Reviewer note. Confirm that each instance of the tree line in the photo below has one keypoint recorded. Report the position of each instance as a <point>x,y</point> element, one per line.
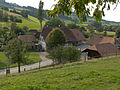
<point>4,17</point>
<point>23,13</point>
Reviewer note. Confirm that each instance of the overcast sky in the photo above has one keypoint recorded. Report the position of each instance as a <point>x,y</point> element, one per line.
<point>112,15</point>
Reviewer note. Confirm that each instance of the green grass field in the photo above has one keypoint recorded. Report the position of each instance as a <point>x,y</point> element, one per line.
<point>3,61</point>
<point>101,74</point>
<point>109,33</point>
<point>32,58</point>
<point>31,22</point>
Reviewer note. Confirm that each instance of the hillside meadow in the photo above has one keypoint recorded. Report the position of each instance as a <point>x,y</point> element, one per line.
<point>102,74</point>
<point>30,22</point>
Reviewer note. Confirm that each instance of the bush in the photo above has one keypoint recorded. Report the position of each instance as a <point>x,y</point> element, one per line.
<point>57,54</point>
<point>71,54</point>
<point>66,54</point>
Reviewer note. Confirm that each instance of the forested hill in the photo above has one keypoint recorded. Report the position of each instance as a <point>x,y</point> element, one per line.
<point>2,1</point>
<point>33,12</point>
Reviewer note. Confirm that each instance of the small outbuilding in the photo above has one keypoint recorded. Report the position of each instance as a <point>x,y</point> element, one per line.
<point>102,50</point>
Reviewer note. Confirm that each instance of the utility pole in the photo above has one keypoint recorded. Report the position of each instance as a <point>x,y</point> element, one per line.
<point>39,64</point>
<point>8,65</point>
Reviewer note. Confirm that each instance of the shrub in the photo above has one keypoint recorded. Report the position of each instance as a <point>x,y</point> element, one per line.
<point>57,54</point>
<point>66,54</point>
<point>71,54</point>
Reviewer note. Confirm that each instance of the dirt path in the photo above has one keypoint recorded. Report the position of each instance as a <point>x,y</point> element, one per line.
<point>45,62</point>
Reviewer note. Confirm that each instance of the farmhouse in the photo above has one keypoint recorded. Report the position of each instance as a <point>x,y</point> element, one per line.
<point>102,46</point>
<point>73,37</point>
<point>29,39</point>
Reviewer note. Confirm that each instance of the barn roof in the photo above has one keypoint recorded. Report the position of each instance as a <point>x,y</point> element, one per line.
<point>98,39</point>
<point>72,35</point>
<point>78,35</point>
<point>105,49</point>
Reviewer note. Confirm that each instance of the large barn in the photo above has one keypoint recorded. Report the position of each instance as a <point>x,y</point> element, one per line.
<point>101,46</point>
<point>73,37</point>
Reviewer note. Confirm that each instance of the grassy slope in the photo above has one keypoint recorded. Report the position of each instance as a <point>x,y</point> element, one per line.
<point>31,22</point>
<point>92,75</point>
<point>109,33</point>
<point>32,58</point>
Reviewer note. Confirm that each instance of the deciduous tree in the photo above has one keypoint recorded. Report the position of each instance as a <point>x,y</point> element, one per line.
<point>118,32</point>
<point>82,8</point>
<point>54,22</point>
<point>4,35</point>
<point>73,26</point>
<point>16,50</point>
<point>55,37</point>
